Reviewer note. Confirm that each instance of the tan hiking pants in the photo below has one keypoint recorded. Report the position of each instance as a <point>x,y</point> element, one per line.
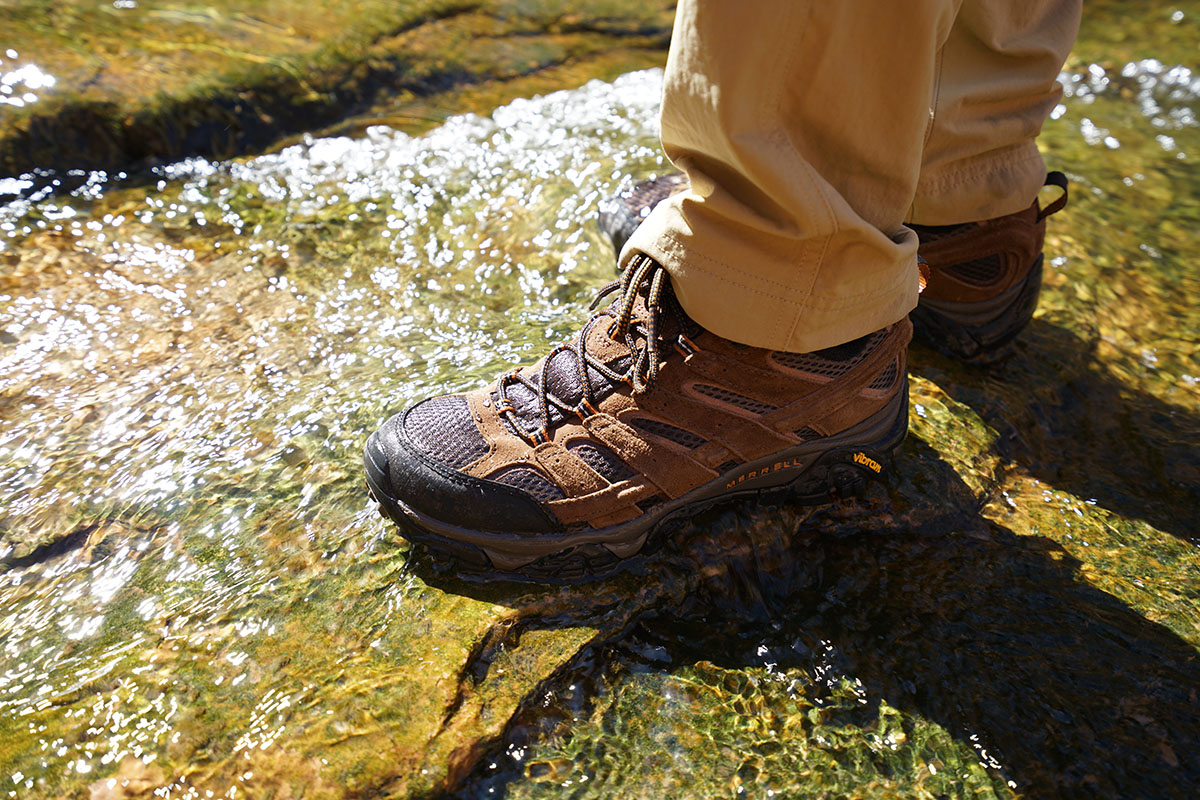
<point>811,130</point>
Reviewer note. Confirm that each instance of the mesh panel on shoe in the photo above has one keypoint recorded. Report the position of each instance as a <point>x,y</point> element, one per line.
<point>442,428</point>
<point>644,196</point>
<point>928,234</point>
<point>885,379</point>
<point>980,272</point>
<point>603,461</point>
<point>834,362</point>
<point>530,481</point>
<point>807,434</point>
<point>669,432</point>
<point>734,399</point>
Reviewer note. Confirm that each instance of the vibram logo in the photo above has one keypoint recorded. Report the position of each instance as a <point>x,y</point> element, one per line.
<point>868,462</point>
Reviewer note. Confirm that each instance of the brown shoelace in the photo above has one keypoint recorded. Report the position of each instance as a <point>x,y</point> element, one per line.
<point>640,335</point>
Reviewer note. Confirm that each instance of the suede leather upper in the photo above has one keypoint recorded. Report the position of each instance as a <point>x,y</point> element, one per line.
<point>730,403</point>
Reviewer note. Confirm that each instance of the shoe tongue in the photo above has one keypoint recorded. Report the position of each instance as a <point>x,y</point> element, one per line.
<point>563,379</point>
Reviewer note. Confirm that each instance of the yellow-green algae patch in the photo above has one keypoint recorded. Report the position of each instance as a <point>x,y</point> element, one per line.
<point>197,596</point>
<point>113,85</point>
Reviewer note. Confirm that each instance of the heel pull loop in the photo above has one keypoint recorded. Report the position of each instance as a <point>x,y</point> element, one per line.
<point>1058,179</point>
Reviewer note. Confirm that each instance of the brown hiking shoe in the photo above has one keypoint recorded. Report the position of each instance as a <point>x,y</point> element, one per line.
<point>620,215</point>
<point>984,276</point>
<point>559,470</point>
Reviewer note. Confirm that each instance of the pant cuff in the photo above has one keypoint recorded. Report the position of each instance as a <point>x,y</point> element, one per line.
<point>992,185</point>
<point>833,290</point>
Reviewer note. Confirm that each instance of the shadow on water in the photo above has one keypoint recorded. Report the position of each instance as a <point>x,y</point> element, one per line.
<point>1061,688</point>
<point>988,633</point>
<point>938,612</point>
<point>1068,420</point>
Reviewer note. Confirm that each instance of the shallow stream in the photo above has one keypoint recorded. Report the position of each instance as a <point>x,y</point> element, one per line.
<point>197,599</point>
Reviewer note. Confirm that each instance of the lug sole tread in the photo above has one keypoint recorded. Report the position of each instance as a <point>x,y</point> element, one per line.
<point>835,475</point>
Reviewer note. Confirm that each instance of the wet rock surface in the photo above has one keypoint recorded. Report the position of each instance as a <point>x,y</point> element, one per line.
<point>198,598</point>
<point>117,86</point>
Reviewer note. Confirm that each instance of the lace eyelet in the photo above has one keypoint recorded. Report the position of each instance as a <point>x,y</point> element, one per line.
<point>586,409</point>
<point>685,345</point>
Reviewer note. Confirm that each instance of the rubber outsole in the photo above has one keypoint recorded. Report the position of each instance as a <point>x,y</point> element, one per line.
<point>812,473</point>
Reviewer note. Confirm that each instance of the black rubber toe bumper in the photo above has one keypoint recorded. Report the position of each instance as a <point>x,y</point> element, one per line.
<point>401,477</point>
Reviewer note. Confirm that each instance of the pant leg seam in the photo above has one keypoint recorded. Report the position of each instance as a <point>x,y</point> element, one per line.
<point>835,303</point>
<point>809,293</point>
<point>987,163</point>
<point>937,97</point>
<point>830,303</point>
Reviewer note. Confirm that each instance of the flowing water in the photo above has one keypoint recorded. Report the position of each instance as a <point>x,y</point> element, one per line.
<point>198,601</point>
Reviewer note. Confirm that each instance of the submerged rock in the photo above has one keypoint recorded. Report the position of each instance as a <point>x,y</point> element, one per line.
<point>198,598</point>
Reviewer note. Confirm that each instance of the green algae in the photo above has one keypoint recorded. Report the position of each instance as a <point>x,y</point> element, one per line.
<point>259,630</point>
<point>139,82</point>
<point>197,597</point>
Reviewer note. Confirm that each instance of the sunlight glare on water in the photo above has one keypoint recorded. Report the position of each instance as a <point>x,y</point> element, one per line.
<point>198,599</point>
<point>187,376</point>
<point>20,83</point>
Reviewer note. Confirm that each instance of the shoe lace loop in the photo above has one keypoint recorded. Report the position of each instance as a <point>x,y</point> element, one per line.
<point>639,334</point>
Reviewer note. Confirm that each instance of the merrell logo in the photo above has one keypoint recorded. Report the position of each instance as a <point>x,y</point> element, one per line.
<point>791,463</point>
<point>866,461</point>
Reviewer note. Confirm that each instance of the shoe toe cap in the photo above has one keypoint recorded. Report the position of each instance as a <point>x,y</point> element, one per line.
<point>405,475</point>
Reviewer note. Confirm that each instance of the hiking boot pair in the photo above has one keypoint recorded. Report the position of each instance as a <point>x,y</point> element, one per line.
<point>984,277</point>
<point>559,470</point>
